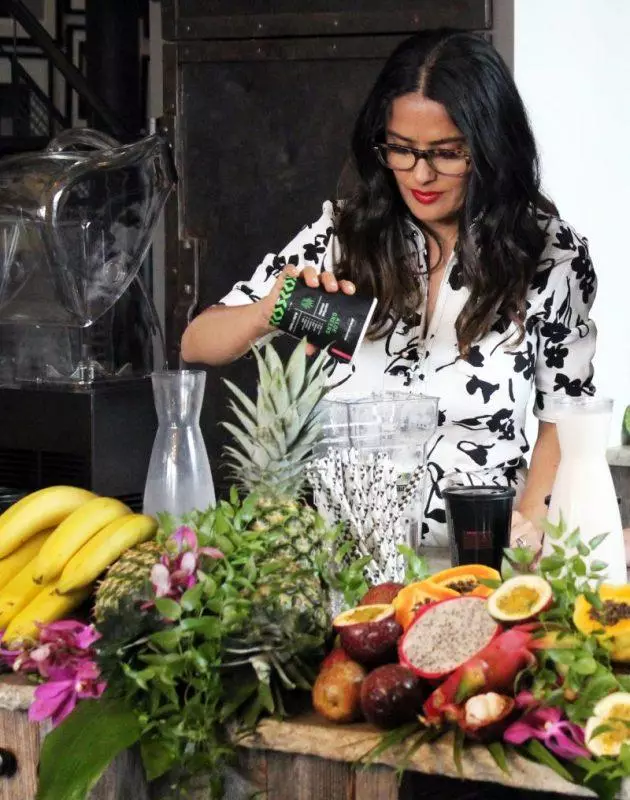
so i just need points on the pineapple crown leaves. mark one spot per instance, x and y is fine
(274, 436)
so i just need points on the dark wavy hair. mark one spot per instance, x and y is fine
(499, 241)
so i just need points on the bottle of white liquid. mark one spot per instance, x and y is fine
(583, 491)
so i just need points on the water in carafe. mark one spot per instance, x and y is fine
(583, 491)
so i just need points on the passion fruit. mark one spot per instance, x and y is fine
(612, 716)
(391, 695)
(368, 613)
(372, 643)
(520, 598)
(381, 593)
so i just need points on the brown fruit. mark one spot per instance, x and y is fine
(337, 691)
(381, 593)
(336, 655)
(372, 643)
(391, 695)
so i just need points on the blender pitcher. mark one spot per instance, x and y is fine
(583, 491)
(179, 477)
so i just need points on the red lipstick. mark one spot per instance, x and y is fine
(426, 198)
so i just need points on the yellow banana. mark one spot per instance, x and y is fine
(105, 548)
(45, 607)
(17, 594)
(37, 511)
(73, 533)
(12, 564)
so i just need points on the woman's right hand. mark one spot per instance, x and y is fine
(312, 278)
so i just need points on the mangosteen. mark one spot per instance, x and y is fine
(486, 716)
(391, 695)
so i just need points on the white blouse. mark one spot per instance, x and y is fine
(482, 399)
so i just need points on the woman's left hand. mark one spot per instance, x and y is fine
(524, 533)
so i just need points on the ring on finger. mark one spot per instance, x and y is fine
(520, 541)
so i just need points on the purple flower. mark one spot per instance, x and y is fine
(564, 738)
(58, 697)
(177, 569)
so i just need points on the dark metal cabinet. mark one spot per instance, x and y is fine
(260, 100)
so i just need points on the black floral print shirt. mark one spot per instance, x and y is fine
(483, 399)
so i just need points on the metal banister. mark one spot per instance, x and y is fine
(73, 76)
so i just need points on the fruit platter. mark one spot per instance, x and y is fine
(192, 637)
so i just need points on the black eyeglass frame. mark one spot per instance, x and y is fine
(380, 148)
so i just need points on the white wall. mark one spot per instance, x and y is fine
(572, 65)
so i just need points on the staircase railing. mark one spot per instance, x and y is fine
(75, 79)
(42, 117)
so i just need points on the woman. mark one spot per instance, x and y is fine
(484, 293)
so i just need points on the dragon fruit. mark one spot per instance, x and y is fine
(445, 635)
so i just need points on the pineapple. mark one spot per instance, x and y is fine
(274, 439)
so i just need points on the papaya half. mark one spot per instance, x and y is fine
(418, 594)
(465, 580)
(610, 623)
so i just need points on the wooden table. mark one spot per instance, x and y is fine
(305, 758)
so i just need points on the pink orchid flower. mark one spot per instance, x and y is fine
(58, 697)
(564, 738)
(176, 573)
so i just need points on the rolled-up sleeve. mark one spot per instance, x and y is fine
(312, 247)
(566, 333)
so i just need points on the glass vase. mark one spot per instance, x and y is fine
(179, 477)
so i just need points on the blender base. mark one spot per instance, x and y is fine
(97, 436)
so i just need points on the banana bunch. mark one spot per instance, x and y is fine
(53, 545)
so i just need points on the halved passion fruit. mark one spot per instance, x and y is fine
(466, 579)
(361, 614)
(520, 598)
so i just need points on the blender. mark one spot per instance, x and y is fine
(77, 321)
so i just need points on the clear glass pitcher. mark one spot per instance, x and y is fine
(179, 477)
(583, 491)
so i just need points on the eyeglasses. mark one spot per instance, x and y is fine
(445, 162)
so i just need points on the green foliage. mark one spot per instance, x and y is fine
(75, 755)
(209, 668)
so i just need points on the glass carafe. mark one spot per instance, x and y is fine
(179, 477)
(583, 491)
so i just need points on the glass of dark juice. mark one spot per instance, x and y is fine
(478, 519)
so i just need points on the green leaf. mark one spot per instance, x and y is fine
(158, 757)
(585, 666)
(191, 599)
(520, 555)
(582, 549)
(543, 756)
(594, 599)
(578, 566)
(596, 541)
(497, 751)
(210, 627)
(168, 608)
(417, 567)
(76, 753)
(598, 566)
(167, 640)
(551, 563)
